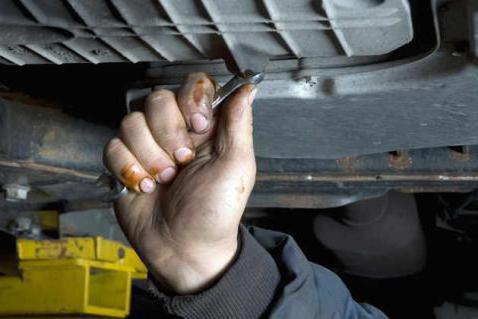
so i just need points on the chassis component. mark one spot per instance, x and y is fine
(328, 130)
(75, 31)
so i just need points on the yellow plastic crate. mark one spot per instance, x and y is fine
(88, 276)
(91, 248)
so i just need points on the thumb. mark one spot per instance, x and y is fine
(234, 130)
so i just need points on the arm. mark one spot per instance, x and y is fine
(308, 290)
(245, 290)
(191, 173)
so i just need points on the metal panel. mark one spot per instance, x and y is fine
(473, 25)
(133, 31)
(343, 16)
(61, 155)
(326, 116)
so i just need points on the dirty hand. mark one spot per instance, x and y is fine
(192, 173)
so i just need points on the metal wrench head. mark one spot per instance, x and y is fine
(238, 81)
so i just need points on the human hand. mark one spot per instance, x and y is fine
(192, 172)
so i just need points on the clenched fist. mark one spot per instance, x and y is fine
(191, 173)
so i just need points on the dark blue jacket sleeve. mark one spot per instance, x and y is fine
(308, 290)
(270, 278)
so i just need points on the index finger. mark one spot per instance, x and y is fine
(194, 101)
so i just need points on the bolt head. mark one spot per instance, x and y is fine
(16, 192)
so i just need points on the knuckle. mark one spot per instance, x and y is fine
(186, 105)
(155, 164)
(158, 95)
(112, 148)
(198, 91)
(183, 98)
(169, 126)
(196, 75)
(204, 79)
(131, 120)
(169, 138)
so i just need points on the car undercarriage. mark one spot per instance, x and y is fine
(360, 98)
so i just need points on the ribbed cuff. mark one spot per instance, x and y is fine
(245, 291)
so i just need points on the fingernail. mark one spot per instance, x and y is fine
(147, 185)
(183, 154)
(199, 122)
(252, 95)
(167, 175)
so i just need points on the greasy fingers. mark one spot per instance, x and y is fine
(136, 135)
(119, 161)
(168, 127)
(234, 136)
(194, 99)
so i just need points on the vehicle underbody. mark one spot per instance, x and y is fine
(359, 98)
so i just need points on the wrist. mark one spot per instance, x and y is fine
(191, 270)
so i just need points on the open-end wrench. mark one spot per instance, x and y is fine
(238, 81)
(248, 65)
(117, 189)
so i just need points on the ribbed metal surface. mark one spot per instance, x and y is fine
(98, 31)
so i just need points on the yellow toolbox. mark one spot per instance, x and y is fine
(74, 276)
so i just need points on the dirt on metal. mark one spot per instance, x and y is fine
(399, 160)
